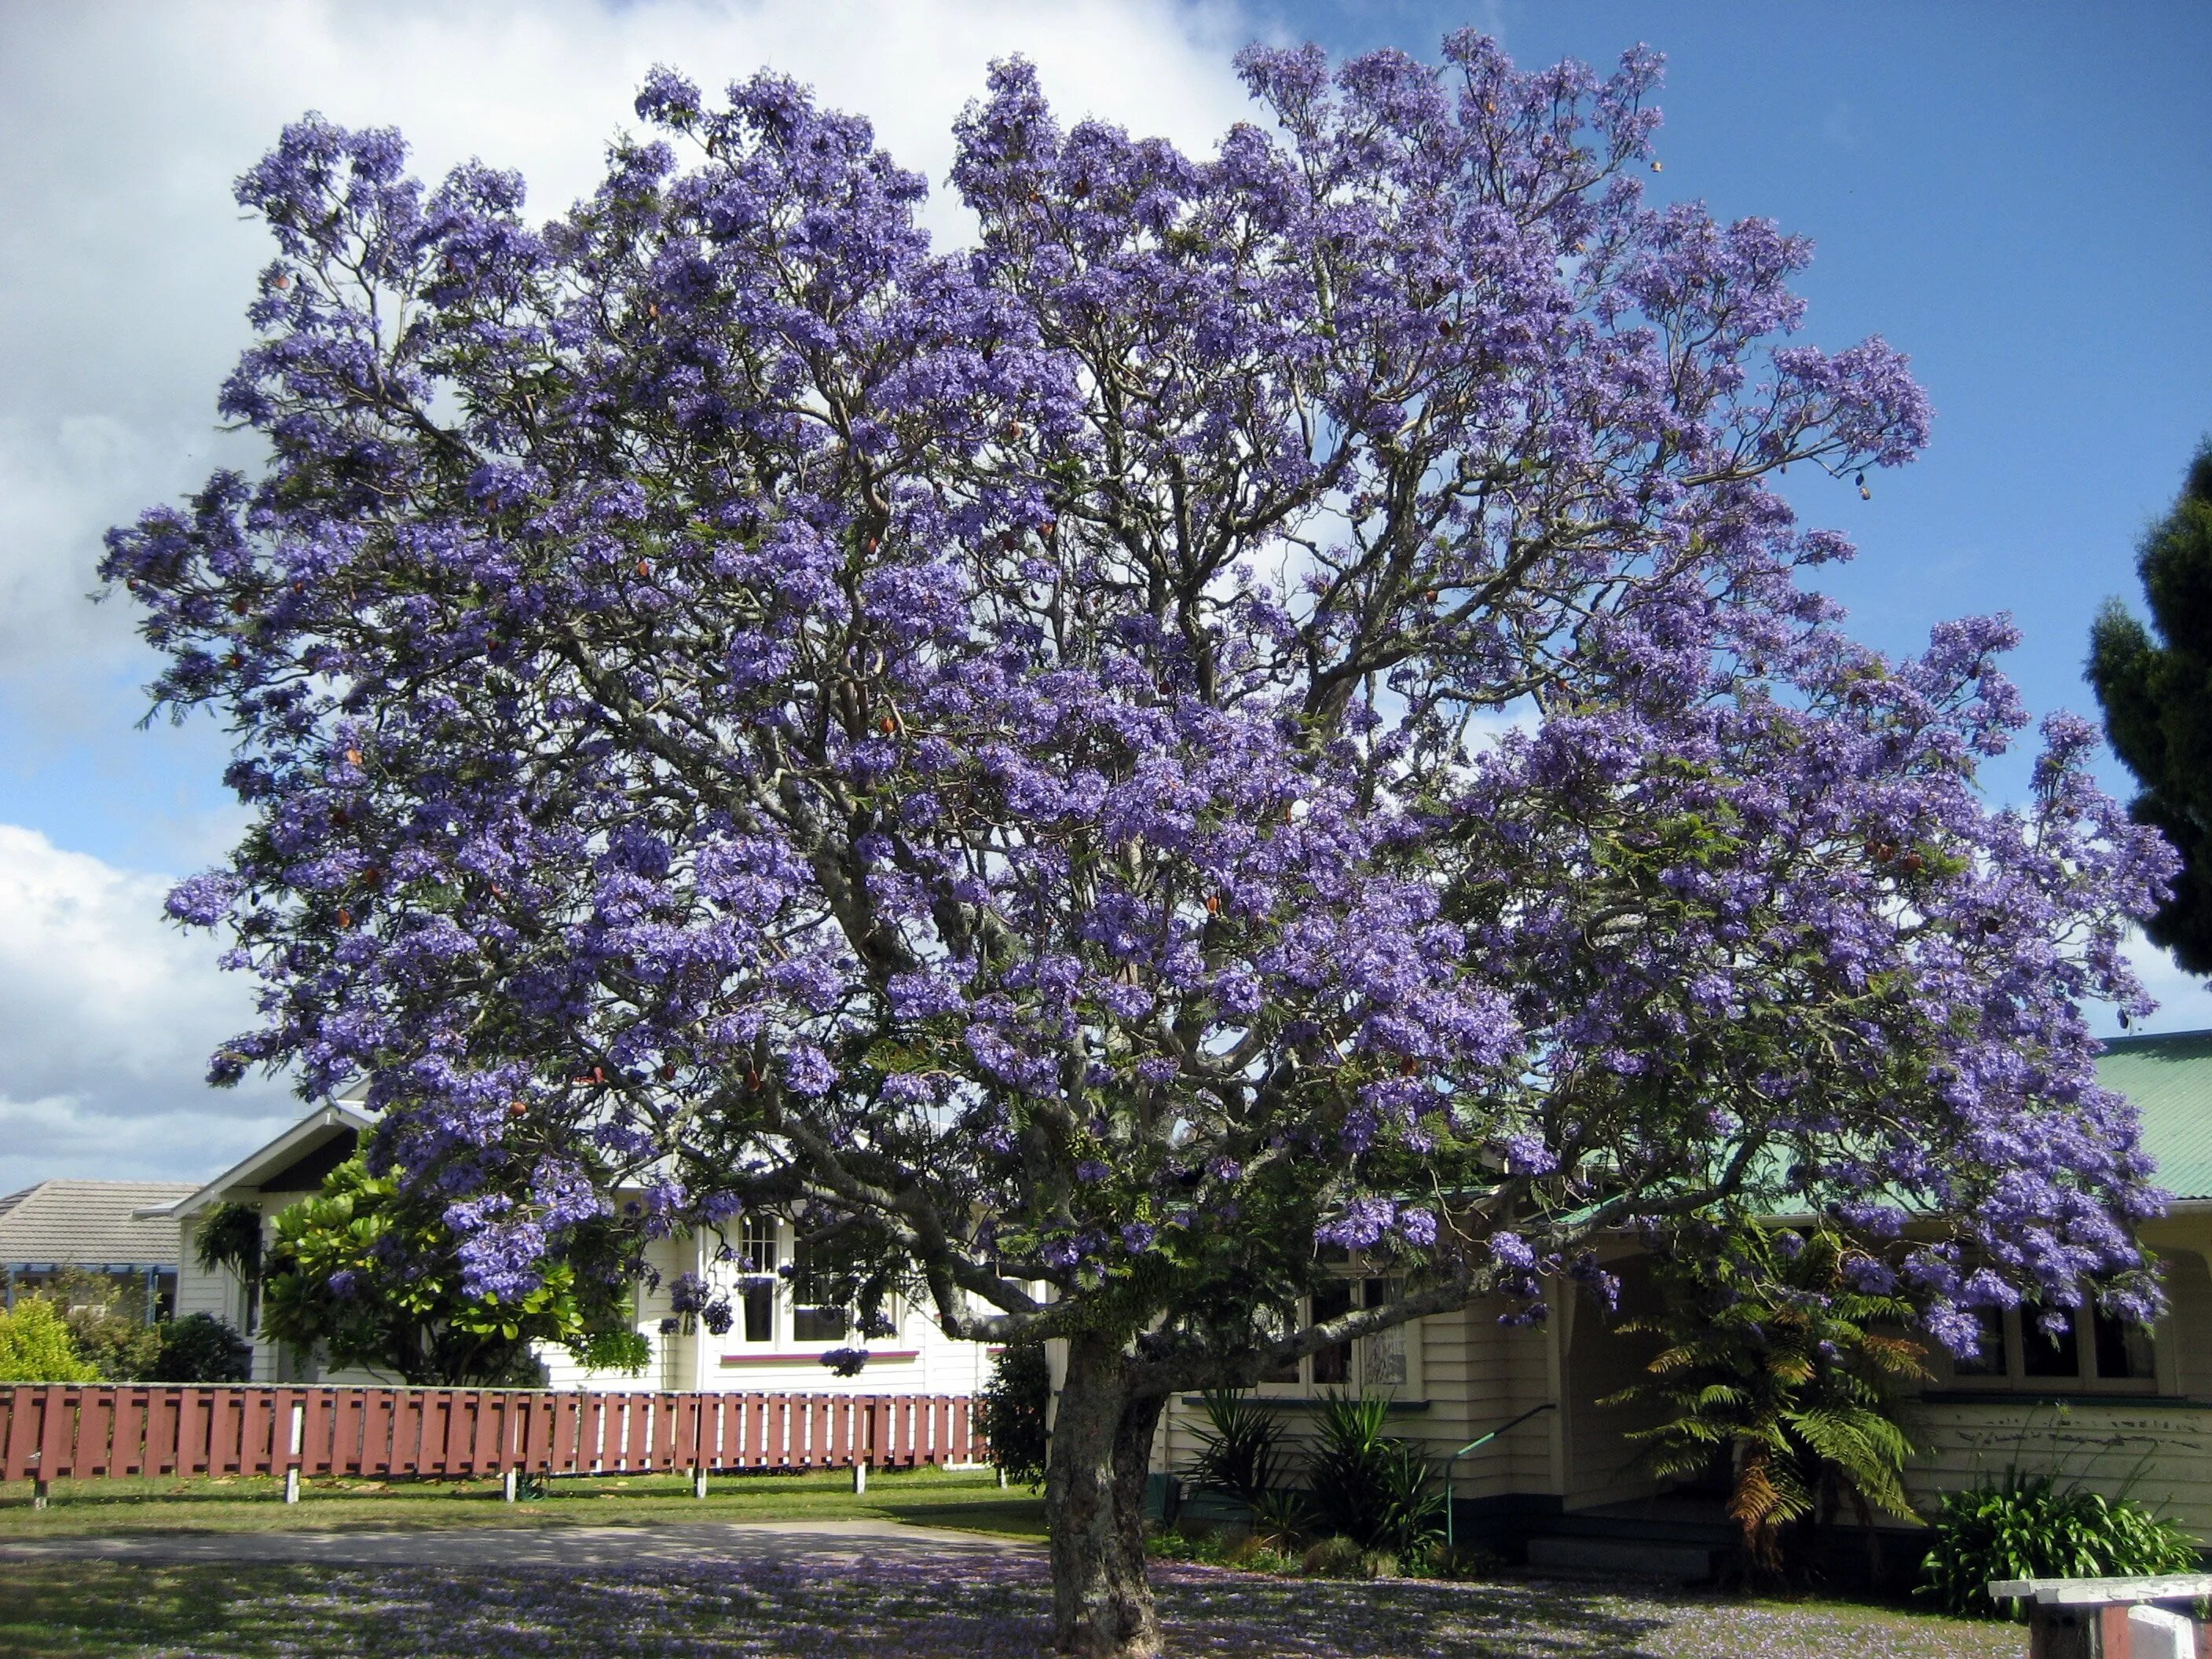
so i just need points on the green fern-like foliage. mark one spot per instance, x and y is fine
(230, 1236)
(1776, 1362)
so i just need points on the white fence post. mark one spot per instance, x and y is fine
(299, 1444)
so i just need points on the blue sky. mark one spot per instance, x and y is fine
(2019, 196)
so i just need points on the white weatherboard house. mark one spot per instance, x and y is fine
(774, 1344)
(2116, 1407)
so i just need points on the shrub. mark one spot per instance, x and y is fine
(1282, 1518)
(1256, 1554)
(369, 1271)
(1377, 1491)
(107, 1321)
(1173, 1544)
(35, 1347)
(120, 1349)
(1237, 1455)
(1774, 1363)
(2029, 1526)
(1348, 1558)
(1010, 1410)
(201, 1348)
(1442, 1560)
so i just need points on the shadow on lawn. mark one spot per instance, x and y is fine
(976, 1608)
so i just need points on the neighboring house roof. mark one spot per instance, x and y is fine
(89, 1223)
(2168, 1079)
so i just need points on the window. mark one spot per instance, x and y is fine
(1993, 1358)
(1383, 1358)
(2045, 1353)
(2122, 1348)
(760, 1245)
(1383, 1362)
(1271, 1324)
(757, 1290)
(759, 1298)
(1332, 1366)
(816, 1315)
(2093, 1354)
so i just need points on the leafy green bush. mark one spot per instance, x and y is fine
(1282, 1518)
(1174, 1543)
(1375, 1490)
(2028, 1526)
(107, 1321)
(1348, 1558)
(1256, 1554)
(35, 1347)
(1010, 1412)
(201, 1348)
(121, 1350)
(369, 1271)
(1237, 1455)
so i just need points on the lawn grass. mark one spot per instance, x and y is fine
(72, 1609)
(967, 1498)
(975, 1609)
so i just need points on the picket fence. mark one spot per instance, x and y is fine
(96, 1432)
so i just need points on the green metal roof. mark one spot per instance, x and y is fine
(2169, 1080)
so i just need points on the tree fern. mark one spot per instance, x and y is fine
(1769, 1359)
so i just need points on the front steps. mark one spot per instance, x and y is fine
(1621, 1557)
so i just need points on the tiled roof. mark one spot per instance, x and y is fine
(90, 1221)
(2169, 1080)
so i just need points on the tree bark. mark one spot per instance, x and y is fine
(1094, 1495)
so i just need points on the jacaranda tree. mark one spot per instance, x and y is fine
(1266, 707)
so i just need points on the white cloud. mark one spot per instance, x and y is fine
(126, 265)
(107, 1016)
(2184, 1003)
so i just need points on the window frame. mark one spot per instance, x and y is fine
(785, 1307)
(2084, 1383)
(753, 1274)
(1358, 1378)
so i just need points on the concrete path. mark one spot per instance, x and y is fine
(856, 1543)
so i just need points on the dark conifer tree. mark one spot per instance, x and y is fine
(2157, 698)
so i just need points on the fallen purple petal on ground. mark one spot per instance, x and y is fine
(984, 1608)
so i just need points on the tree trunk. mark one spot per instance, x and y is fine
(1094, 1499)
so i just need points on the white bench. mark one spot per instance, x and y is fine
(2110, 1618)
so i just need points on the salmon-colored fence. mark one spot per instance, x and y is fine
(94, 1431)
